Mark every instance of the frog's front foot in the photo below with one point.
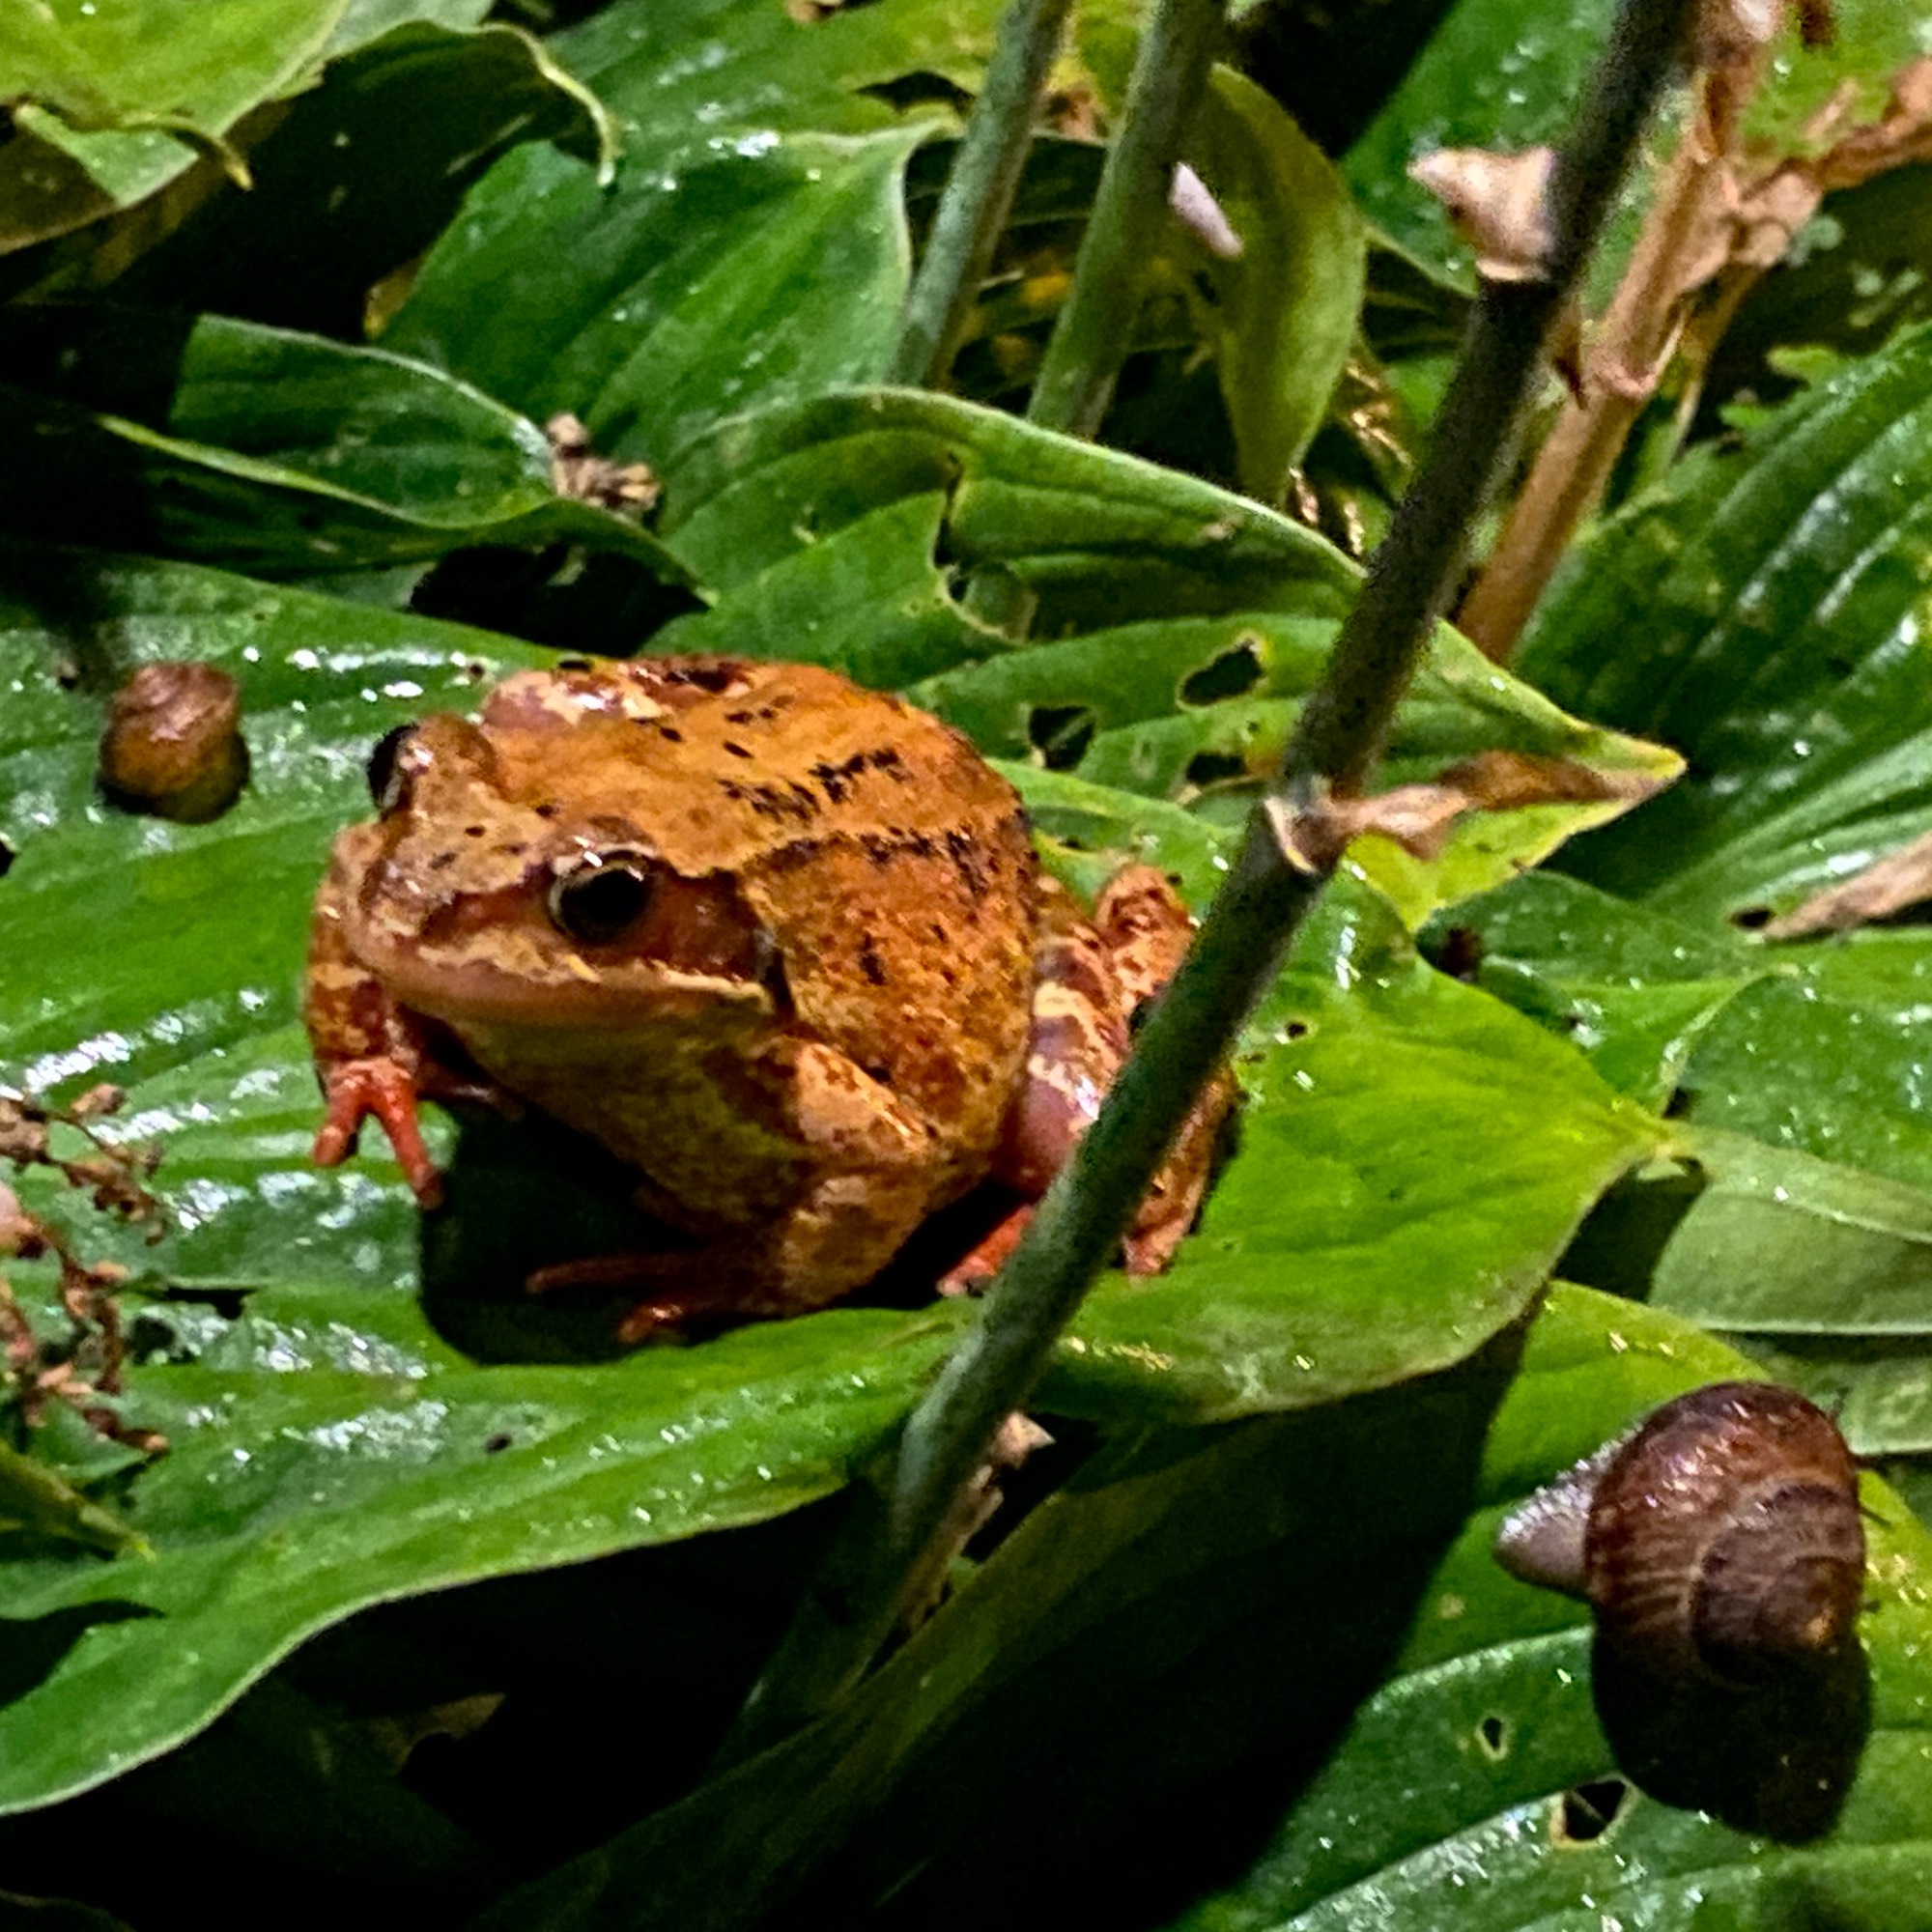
(359, 1089)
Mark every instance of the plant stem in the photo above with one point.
(1089, 341)
(979, 193)
(1572, 467)
(1286, 856)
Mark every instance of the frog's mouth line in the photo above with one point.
(563, 988)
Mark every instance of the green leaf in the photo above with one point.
(686, 73)
(101, 86)
(767, 267)
(1863, 1265)
(1172, 1611)
(1441, 1805)
(1807, 1211)
(1507, 74)
(316, 1435)
(227, 441)
(1181, 625)
(1160, 1614)
(1635, 991)
(293, 1492)
(1804, 1047)
(137, 62)
(1420, 1216)
(1781, 648)
(1281, 318)
(754, 249)
(359, 173)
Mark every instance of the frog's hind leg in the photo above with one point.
(819, 1251)
(877, 1183)
(1091, 979)
(1147, 932)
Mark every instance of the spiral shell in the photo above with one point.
(173, 743)
(1723, 1538)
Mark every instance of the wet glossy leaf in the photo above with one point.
(764, 267)
(1804, 1223)
(316, 1435)
(227, 441)
(1636, 990)
(1377, 1172)
(685, 70)
(1812, 1048)
(1784, 601)
(1462, 1794)
(754, 247)
(1173, 1609)
(294, 1492)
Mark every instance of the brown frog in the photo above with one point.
(778, 943)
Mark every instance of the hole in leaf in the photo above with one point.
(1750, 918)
(7, 856)
(916, 88)
(498, 1443)
(1586, 1811)
(1297, 1030)
(1460, 953)
(1232, 673)
(1493, 1734)
(1206, 768)
(1059, 733)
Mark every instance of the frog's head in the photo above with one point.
(503, 890)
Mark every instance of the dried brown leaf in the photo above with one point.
(1499, 204)
(1419, 817)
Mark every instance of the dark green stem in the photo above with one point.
(1283, 865)
(979, 193)
(1089, 341)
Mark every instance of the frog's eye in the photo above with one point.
(389, 775)
(601, 899)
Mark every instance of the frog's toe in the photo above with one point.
(361, 1090)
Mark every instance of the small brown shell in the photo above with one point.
(1724, 1537)
(173, 743)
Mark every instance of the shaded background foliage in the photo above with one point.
(416, 1551)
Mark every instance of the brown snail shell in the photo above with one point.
(173, 745)
(1721, 1538)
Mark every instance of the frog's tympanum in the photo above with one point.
(779, 944)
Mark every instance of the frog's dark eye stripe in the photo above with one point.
(388, 777)
(601, 899)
